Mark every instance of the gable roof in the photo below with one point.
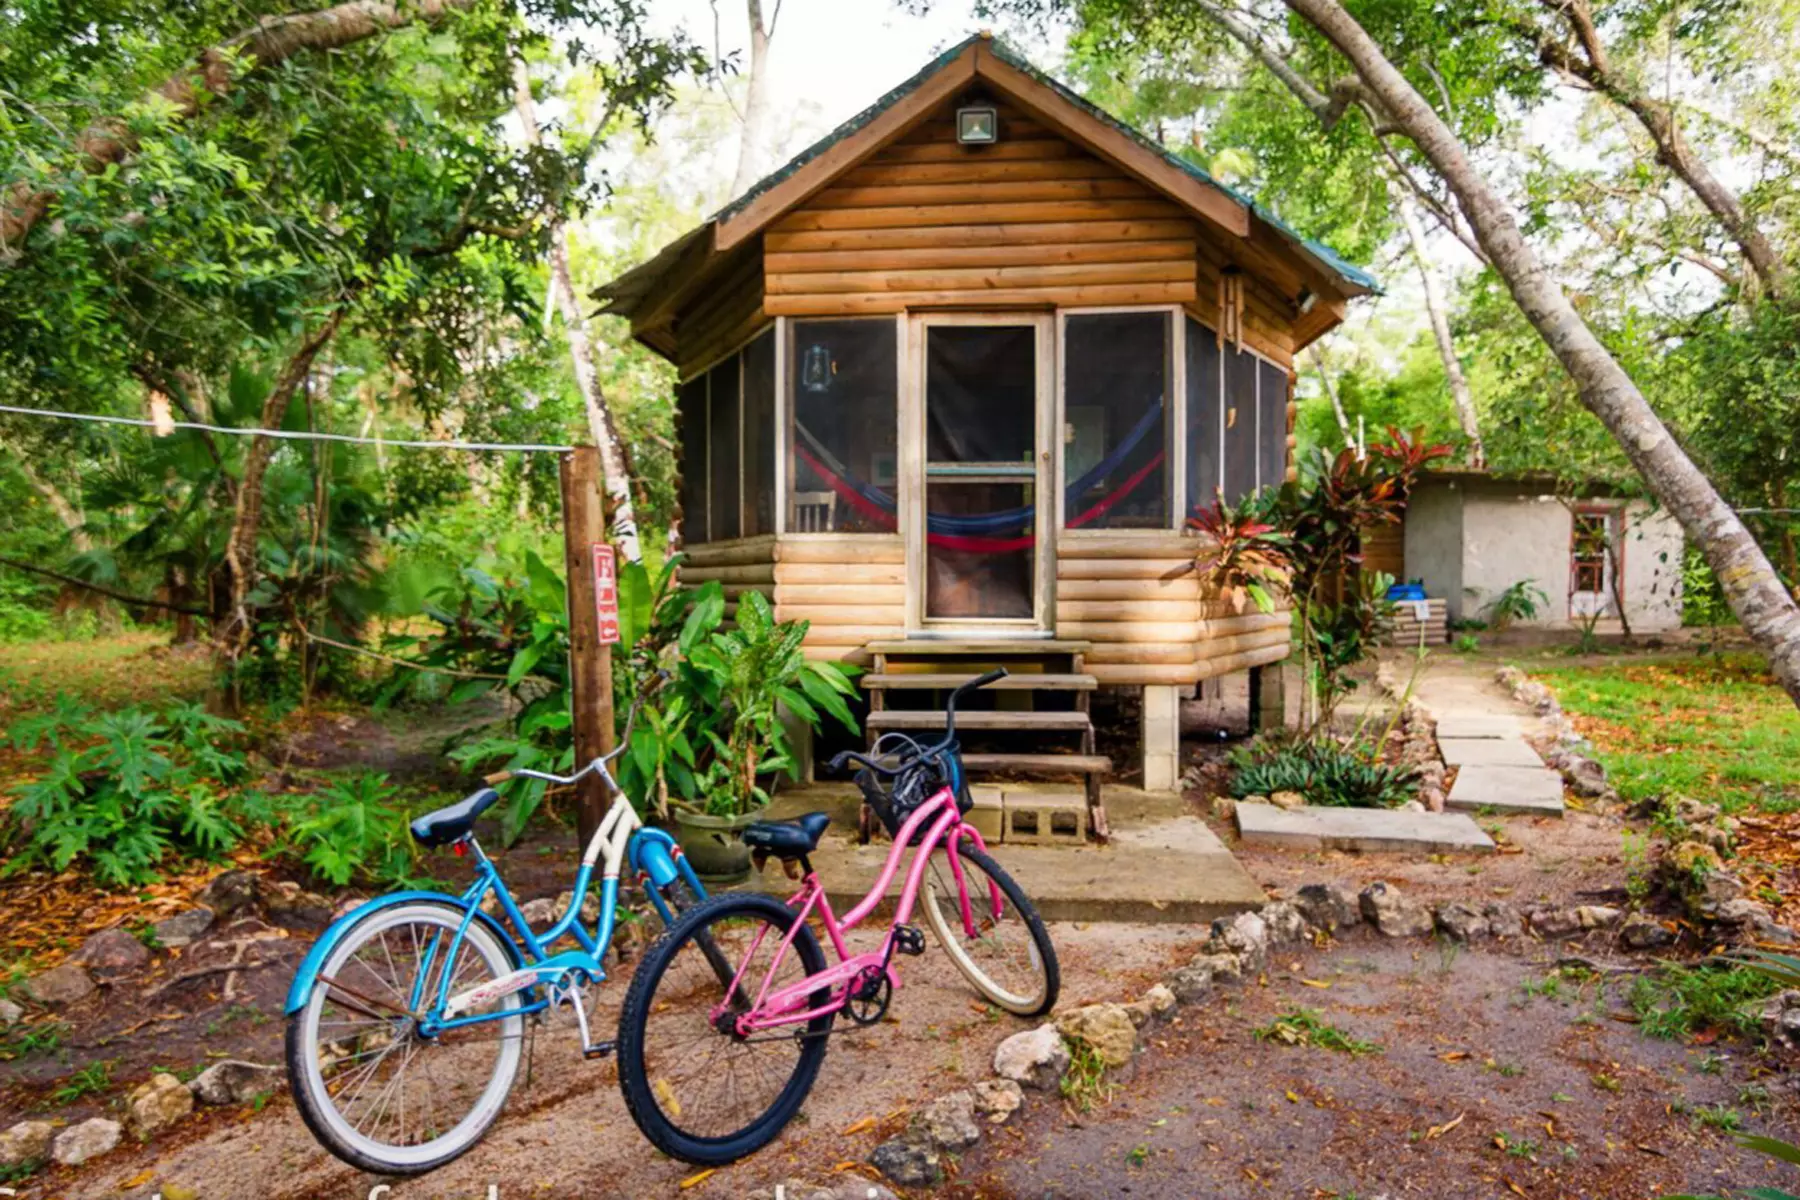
(990, 60)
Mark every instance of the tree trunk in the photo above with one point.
(1440, 327)
(615, 469)
(1763, 606)
(752, 141)
(1594, 68)
(271, 41)
(70, 517)
(234, 633)
(1331, 393)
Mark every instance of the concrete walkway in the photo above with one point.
(1162, 865)
(1481, 731)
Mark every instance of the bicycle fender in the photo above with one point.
(308, 974)
(653, 852)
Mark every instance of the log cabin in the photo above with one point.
(952, 380)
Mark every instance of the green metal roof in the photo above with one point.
(1323, 255)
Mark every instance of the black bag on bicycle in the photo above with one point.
(917, 782)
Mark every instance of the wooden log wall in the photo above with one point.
(1138, 600)
(726, 316)
(1033, 220)
(850, 588)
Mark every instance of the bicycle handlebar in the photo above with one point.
(843, 759)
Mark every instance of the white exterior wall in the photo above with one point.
(1510, 537)
(1433, 542)
(1654, 547)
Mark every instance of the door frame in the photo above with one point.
(911, 482)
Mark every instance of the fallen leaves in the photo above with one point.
(1438, 1131)
(694, 1181)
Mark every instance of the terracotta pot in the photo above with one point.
(715, 845)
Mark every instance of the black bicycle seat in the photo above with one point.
(452, 822)
(787, 839)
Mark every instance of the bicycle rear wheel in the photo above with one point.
(699, 1091)
(376, 1092)
(1008, 957)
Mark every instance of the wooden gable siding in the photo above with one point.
(1031, 221)
(724, 316)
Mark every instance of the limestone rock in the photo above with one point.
(158, 1104)
(1413, 806)
(1190, 984)
(1712, 891)
(1597, 916)
(234, 1081)
(590, 906)
(539, 913)
(1328, 906)
(1690, 858)
(28, 1141)
(1253, 800)
(1245, 935)
(184, 928)
(1392, 913)
(113, 952)
(1554, 922)
(908, 1163)
(1161, 1000)
(1461, 922)
(998, 1099)
(1781, 1019)
(1586, 777)
(1289, 800)
(1284, 922)
(1645, 933)
(1766, 929)
(1740, 912)
(1036, 1058)
(1503, 920)
(1224, 808)
(90, 1139)
(948, 1122)
(60, 986)
(1104, 1028)
(289, 904)
(230, 893)
(10, 1013)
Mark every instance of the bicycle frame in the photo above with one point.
(789, 1005)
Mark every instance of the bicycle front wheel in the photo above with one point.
(373, 1089)
(700, 1091)
(1002, 947)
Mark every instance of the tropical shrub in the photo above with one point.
(1327, 772)
(125, 791)
(1521, 600)
(1247, 556)
(352, 829)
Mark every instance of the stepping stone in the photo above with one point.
(1534, 790)
(1373, 829)
(1479, 725)
(1488, 752)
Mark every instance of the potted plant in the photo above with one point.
(711, 745)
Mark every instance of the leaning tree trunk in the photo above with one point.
(270, 42)
(1756, 595)
(1438, 312)
(753, 138)
(1337, 405)
(614, 469)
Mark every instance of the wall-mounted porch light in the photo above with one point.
(977, 125)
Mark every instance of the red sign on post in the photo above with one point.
(606, 594)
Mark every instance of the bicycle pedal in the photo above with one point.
(599, 1050)
(909, 939)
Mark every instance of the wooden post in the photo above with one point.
(590, 663)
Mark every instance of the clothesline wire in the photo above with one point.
(297, 435)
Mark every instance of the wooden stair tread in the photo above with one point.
(1081, 764)
(1012, 683)
(991, 647)
(928, 719)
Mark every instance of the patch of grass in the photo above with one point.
(1721, 1117)
(1518, 1147)
(1605, 1082)
(1679, 1002)
(1084, 1083)
(32, 1039)
(1138, 1155)
(1506, 1070)
(20, 1171)
(1720, 728)
(1306, 1027)
(91, 1080)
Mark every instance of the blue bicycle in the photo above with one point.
(406, 1021)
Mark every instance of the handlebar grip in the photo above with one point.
(993, 676)
(840, 760)
(498, 777)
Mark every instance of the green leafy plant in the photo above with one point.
(1680, 1001)
(1324, 770)
(1246, 555)
(1306, 1027)
(1466, 643)
(352, 829)
(1521, 600)
(1769, 1147)
(125, 791)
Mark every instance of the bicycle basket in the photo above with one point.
(914, 785)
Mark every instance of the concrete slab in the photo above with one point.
(1488, 752)
(1534, 790)
(1479, 725)
(1369, 829)
(1162, 866)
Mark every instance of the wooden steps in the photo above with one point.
(1047, 694)
(906, 718)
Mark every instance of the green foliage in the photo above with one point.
(1308, 1027)
(352, 830)
(1681, 1001)
(90, 1080)
(1324, 770)
(1520, 600)
(125, 791)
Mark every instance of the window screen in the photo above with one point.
(1203, 433)
(842, 470)
(1240, 424)
(722, 449)
(1116, 385)
(690, 408)
(759, 435)
(1271, 424)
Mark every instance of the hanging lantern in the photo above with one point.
(815, 368)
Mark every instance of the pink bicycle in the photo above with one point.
(724, 1025)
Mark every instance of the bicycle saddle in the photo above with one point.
(787, 839)
(452, 822)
